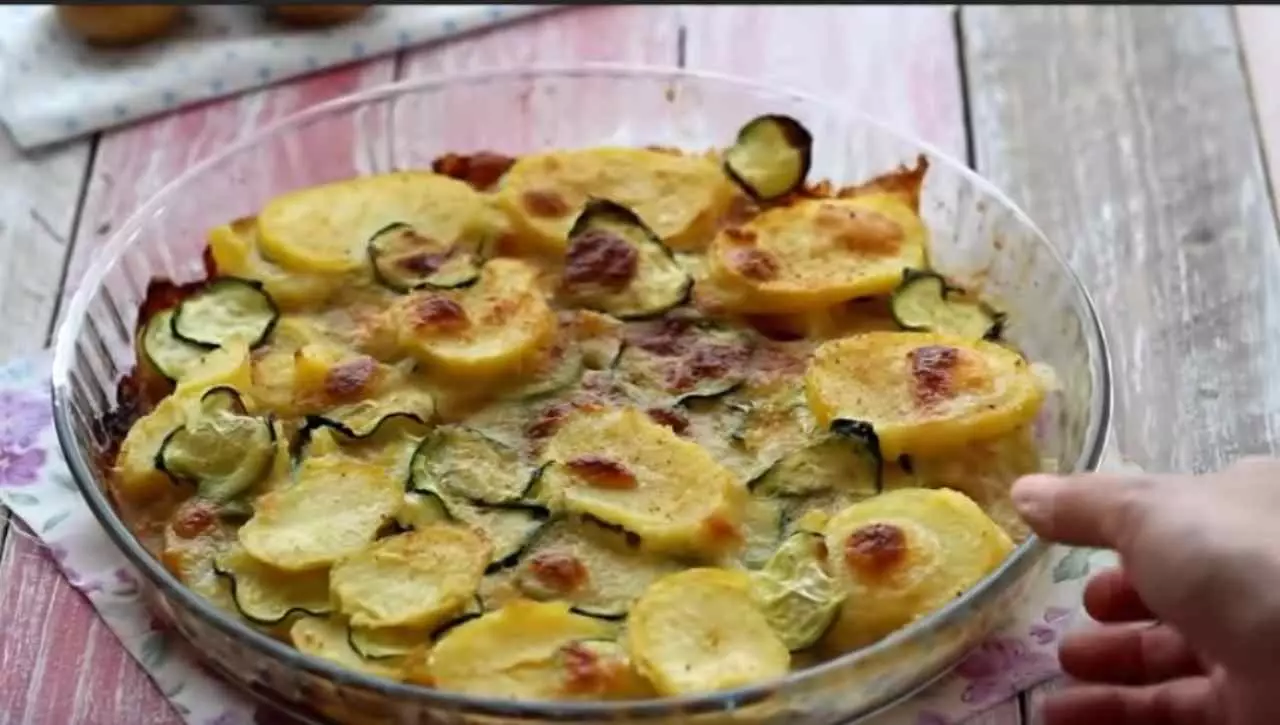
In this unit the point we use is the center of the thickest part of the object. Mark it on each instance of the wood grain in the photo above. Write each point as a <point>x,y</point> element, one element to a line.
<point>1258,27</point>
<point>897,63</point>
<point>66,665</point>
<point>1128,134</point>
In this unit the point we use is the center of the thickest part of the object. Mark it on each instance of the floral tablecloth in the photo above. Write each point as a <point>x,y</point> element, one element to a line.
<point>36,485</point>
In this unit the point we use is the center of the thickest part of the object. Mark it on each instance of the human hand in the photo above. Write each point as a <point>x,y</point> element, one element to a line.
<point>1190,631</point>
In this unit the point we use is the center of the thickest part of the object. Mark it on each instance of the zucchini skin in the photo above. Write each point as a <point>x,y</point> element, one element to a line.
<point>371,251</point>
<point>230,577</point>
<point>212,287</point>
<point>798,137</point>
<point>237,407</point>
<point>911,277</point>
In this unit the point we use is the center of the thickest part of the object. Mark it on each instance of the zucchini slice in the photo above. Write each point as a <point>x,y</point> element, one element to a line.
<point>617,265</point>
<point>329,639</point>
<point>170,356</point>
<point>421,578</point>
<point>228,308</point>
<point>589,567</point>
<point>846,459</point>
<point>387,642</point>
<point>462,463</point>
<point>924,302</point>
<point>771,156</point>
<point>561,366</point>
<point>224,451</point>
<point>798,597</point>
<point>510,528</point>
<point>683,359</point>
<point>268,596</point>
<point>404,260</point>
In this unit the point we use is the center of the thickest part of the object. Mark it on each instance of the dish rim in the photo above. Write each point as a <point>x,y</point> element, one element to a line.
<point>1026,554</point>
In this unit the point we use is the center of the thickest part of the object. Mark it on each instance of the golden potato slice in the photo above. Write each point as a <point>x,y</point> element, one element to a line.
<point>419,578</point>
<point>227,366</point>
<point>624,469</point>
<point>237,252</point>
<point>816,253</point>
<point>699,631</point>
<point>922,392</point>
<point>328,639</point>
<point>136,477</point>
<point>266,595</point>
<point>333,510</point>
<point>680,198</point>
<point>904,554</point>
<point>525,650</point>
<point>497,326</point>
<point>326,228</point>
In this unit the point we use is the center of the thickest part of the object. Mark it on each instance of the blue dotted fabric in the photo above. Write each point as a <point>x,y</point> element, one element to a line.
<point>53,87</point>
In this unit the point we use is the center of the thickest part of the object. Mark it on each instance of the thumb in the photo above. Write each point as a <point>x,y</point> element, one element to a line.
<point>1093,510</point>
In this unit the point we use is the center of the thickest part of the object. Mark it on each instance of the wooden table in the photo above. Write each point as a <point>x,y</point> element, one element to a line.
<point>1137,138</point>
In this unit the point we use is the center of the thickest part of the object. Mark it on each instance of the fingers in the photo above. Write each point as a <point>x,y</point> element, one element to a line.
<point>1181,702</point>
<point>1128,654</point>
<point>1110,597</point>
<point>1092,510</point>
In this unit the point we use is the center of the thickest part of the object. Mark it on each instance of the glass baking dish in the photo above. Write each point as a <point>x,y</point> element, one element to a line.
<point>978,236</point>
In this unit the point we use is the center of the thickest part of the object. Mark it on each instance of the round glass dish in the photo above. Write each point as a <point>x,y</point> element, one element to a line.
<point>978,236</point>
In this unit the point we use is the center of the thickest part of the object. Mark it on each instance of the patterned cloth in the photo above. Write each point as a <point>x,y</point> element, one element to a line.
<point>54,87</point>
<point>36,485</point>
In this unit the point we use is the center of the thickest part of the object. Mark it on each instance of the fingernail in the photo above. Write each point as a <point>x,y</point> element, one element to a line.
<point>1033,496</point>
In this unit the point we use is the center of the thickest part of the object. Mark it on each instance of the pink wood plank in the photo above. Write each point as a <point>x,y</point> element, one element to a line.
<point>897,63</point>
<point>59,663</point>
<point>618,34</point>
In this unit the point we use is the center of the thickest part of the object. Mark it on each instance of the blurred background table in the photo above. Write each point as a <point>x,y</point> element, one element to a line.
<point>1137,138</point>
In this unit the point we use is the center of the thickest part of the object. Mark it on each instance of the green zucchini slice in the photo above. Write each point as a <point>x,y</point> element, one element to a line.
<point>511,528</point>
<point>770,157</point>
<point>404,260</point>
<point>389,642</point>
<point>589,567</point>
<point>846,460</point>
<point>924,302</point>
<point>463,463</point>
<point>223,450</point>
<point>702,361</point>
<point>617,265</point>
<point>268,596</point>
<point>795,593</point>
<point>764,522</point>
<point>563,366</point>
<point>228,308</point>
<point>171,357</point>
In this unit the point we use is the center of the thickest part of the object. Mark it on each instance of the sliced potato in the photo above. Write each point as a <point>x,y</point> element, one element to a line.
<point>904,554</point>
<point>700,631</point>
<point>679,197</point>
<point>328,639</point>
<point>333,511</point>
<point>265,595</point>
<point>493,328</point>
<point>816,253</point>
<point>420,578</point>
<point>236,251</point>
<point>624,469</point>
<point>136,477</point>
<point>387,642</point>
<point>228,366</point>
<point>515,652</point>
<point>325,229</point>
<point>921,392</point>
